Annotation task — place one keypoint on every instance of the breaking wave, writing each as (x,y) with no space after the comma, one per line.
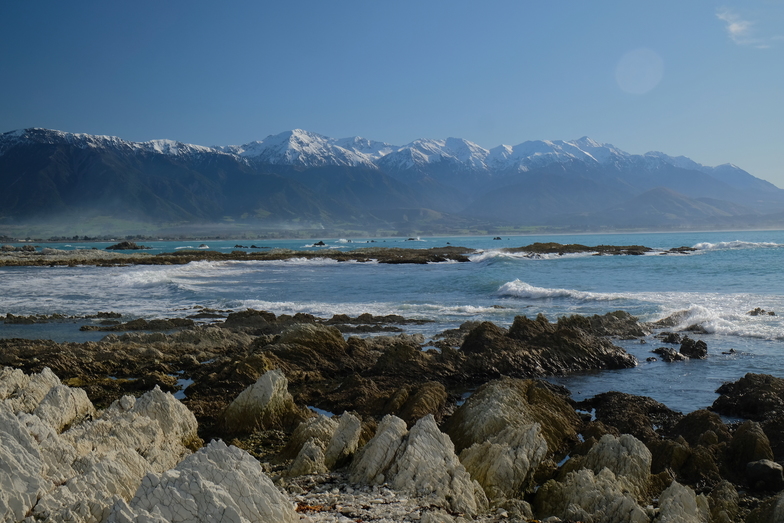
(521,289)
(737,244)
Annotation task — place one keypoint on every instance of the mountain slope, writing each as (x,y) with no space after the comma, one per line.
(304,179)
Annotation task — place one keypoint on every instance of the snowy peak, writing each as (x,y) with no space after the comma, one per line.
(457,152)
(83,141)
(301,149)
(422,157)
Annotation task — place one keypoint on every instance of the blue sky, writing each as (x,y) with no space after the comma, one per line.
(697,78)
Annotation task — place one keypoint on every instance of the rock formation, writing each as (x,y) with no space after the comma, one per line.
(504,402)
(217,483)
(421,462)
(266,404)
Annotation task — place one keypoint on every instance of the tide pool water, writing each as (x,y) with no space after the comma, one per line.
(728,275)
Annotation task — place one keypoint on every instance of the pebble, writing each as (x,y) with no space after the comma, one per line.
(330,498)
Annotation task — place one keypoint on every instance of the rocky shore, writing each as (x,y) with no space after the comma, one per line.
(234,421)
(118,255)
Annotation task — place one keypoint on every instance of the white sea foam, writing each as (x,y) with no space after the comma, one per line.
(737,244)
(521,289)
(498,254)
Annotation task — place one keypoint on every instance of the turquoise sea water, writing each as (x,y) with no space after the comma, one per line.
(730,274)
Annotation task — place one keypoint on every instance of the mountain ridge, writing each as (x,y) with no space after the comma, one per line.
(309,180)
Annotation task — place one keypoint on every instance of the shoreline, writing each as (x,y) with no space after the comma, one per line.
(394,375)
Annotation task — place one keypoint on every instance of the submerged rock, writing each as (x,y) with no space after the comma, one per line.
(694,349)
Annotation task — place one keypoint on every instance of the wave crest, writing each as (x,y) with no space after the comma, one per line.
(521,289)
(736,244)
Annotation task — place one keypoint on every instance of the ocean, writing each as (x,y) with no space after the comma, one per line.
(728,275)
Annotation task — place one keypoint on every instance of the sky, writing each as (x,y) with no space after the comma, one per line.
(703,79)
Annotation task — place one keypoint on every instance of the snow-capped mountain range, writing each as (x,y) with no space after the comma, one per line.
(299,148)
(298,174)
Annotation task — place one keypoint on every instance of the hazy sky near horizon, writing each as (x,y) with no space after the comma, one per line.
(704,79)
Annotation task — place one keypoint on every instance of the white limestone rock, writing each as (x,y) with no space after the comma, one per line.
(679,504)
(592,498)
(427,466)
(372,462)
(320,428)
(62,406)
(29,394)
(266,404)
(505,464)
(21,479)
(12,380)
(625,456)
(421,462)
(57,455)
(310,460)
(217,483)
(157,426)
(344,441)
(174,418)
(88,496)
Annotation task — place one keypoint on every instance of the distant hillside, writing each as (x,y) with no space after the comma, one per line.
(303,180)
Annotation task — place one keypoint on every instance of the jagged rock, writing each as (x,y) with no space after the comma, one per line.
(88,496)
(505,464)
(29,393)
(630,414)
(700,427)
(421,462)
(754,396)
(749,443)
(585,496)
(770,511)
(428,466)
(62,406)
(310,459)
(344,441)
(673,338)
(508,401)
(411,405)
(625,456)
(723,501)
(533,348)
(11,380)
(679,504)
(21,481)
(371,464)
(669,355)
(320,428)
(765,475)
(266,404)
(619,324)
(218,483)
(694,349)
